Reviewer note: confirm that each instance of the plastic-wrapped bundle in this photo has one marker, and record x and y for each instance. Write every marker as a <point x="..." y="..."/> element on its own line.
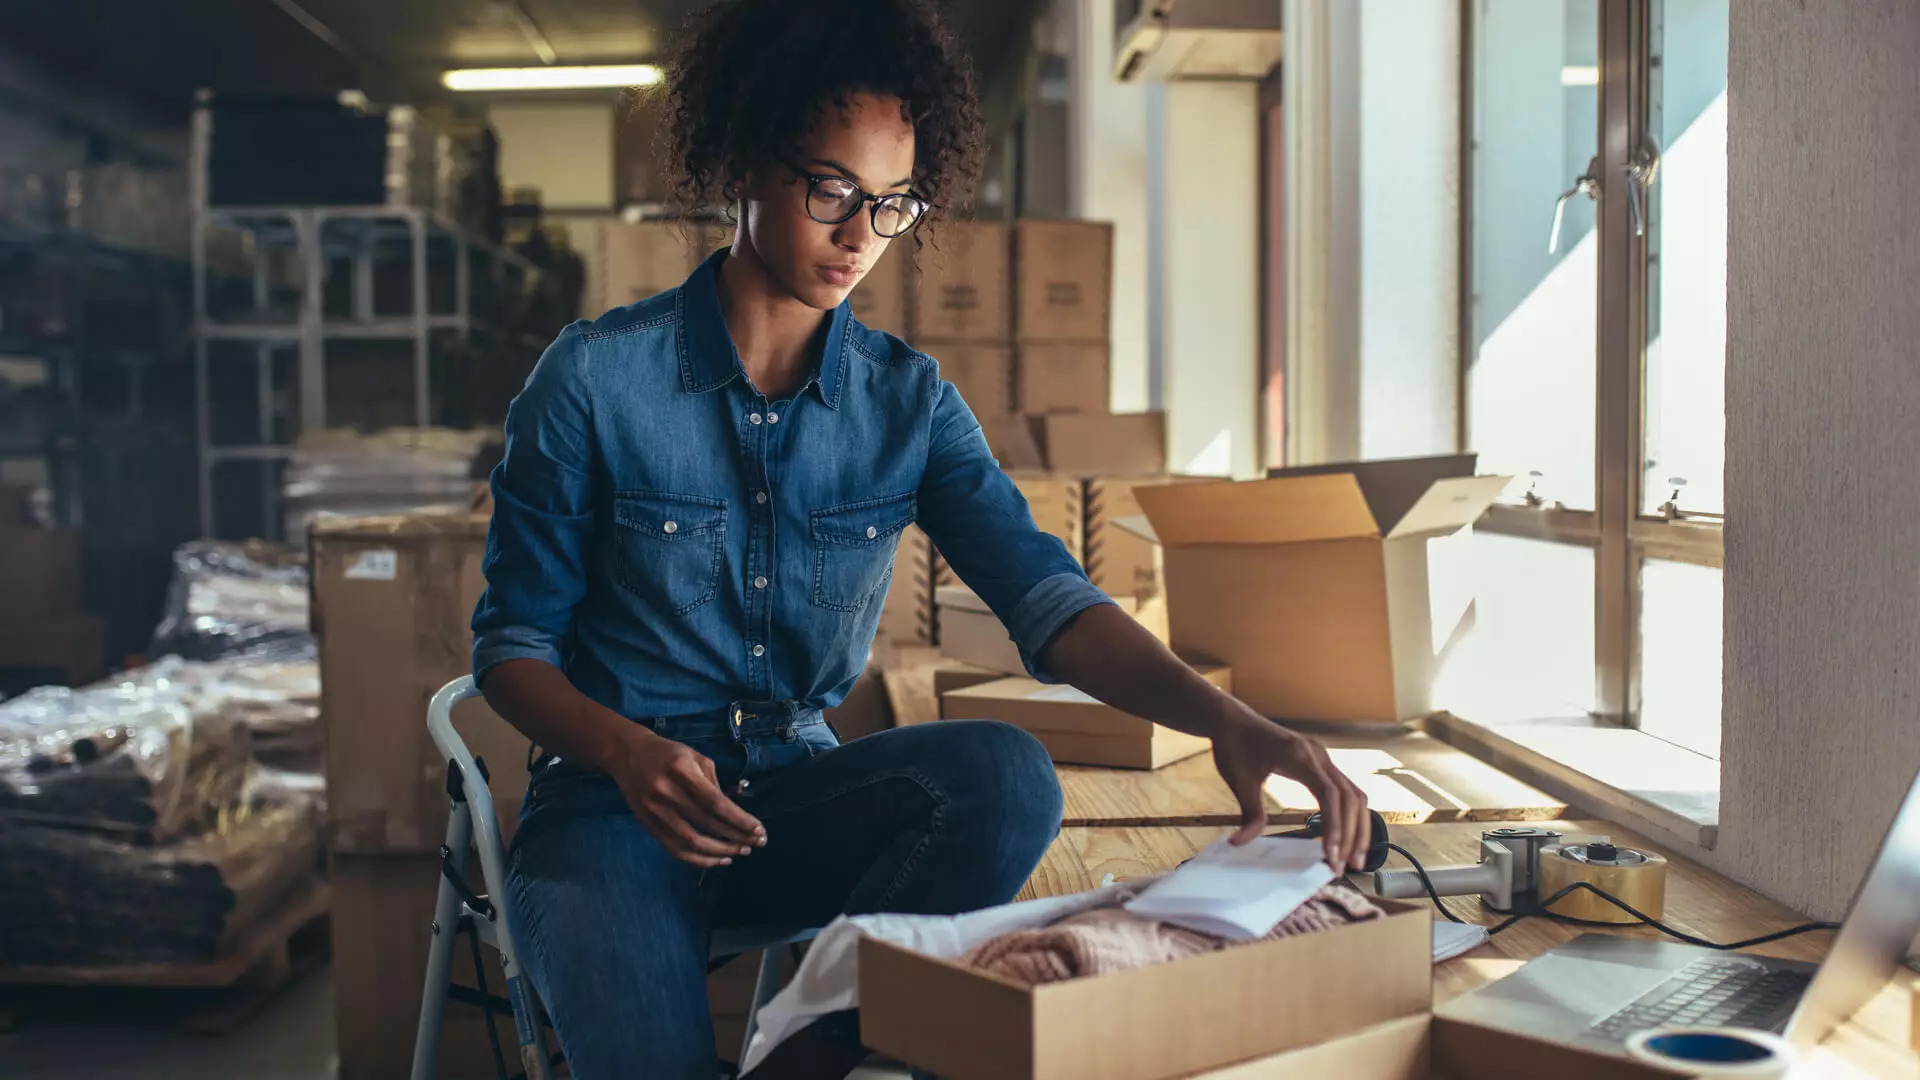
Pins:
<point x="134" y="759"/>
<point x="237" y="600"/>
<point x="84" y="899"/>
<point x="278" y="703"/>
<point x="338" y="472"/>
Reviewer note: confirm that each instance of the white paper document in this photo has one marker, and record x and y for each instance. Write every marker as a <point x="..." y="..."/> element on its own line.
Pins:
<point x="1238" y="893"/>
<point x="1450" y="939"/>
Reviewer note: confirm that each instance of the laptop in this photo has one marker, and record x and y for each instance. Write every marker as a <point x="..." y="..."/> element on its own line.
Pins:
<point x="1598" y="989"/>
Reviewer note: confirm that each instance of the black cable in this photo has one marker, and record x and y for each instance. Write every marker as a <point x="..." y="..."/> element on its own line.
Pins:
<point x="1427" y="881"/>
<point x="1642" y="917"/>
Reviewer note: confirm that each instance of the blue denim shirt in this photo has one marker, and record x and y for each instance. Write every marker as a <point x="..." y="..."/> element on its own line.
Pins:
<point x="676" y="543"/>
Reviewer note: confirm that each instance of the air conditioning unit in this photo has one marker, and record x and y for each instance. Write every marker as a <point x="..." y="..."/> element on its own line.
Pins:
<point x="1174" y="40"/>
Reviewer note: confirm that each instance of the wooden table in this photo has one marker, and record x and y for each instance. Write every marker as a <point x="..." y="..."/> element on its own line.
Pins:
<point x="1409" y="777"/>
<point x="1698" y="902"/>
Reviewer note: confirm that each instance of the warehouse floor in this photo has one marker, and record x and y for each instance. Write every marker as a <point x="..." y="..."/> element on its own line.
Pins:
<point x="292" y="1040"/>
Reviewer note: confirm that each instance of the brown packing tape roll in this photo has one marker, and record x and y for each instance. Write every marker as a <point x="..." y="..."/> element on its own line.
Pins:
<point x="1638" y="878"/>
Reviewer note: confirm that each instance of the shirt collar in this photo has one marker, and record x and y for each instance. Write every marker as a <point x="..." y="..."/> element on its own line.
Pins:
<point x="708" y="359"/>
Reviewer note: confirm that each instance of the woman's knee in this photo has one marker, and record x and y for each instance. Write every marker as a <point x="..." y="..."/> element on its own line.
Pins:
<point x="994" y="763"/>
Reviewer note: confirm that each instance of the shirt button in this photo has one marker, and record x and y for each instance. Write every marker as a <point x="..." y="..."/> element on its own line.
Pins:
<point x="760" y="497"/>
<point x="773" y="418"/>
<point x="753" y="418"/>
<point x="760" y="582"/>
<point x="671" y="527"/>
<point x="759" y="650"/>
<point x="871" y="532"/>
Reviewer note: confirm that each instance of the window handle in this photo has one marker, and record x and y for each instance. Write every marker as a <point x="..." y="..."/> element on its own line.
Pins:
<point x="1585" y="184"/>
<point x="1641" y="173"/>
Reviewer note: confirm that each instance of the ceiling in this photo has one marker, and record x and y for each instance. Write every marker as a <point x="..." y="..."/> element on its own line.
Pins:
<point x="161" y="52"/>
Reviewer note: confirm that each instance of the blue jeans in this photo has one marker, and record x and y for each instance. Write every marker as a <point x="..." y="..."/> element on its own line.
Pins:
<point x="937" y="818"/>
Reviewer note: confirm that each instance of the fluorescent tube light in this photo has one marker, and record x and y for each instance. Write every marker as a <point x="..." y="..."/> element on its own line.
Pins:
<point x="559" y="77"/>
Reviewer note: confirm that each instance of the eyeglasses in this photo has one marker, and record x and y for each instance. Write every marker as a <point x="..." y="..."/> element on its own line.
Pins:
<point x="832" y="200"/>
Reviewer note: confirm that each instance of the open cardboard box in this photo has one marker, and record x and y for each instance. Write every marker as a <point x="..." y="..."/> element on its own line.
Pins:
<point x="1148" y="1023"/>
<point x="1077" y="729"/>
<point x="1314" y="584"/>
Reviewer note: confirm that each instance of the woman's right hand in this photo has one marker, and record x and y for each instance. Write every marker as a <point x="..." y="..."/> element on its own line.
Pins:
<point x="673" y="790"/>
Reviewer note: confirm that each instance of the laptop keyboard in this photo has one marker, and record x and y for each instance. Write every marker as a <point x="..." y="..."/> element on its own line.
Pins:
<point x="1711" y="992"/>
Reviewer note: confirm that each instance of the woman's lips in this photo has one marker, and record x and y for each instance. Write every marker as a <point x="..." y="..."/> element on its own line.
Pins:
<point x="840" y="275"/>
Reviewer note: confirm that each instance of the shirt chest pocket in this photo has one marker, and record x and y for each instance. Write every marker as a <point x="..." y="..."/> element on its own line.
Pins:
<point x="669" y="548"/>
<point x="853" y="549"/>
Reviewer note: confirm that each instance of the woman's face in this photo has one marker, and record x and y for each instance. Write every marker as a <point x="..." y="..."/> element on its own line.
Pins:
<point x="866" y="143"/>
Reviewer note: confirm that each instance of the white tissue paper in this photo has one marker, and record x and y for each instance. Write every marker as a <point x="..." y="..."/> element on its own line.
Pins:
<point x="1450" y="939"/>
<point x="828" y="979"/>
<point x="1238" y="893"/>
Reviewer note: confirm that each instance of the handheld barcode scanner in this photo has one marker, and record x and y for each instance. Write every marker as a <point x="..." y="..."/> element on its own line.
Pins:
<point x="1376" y="843"/>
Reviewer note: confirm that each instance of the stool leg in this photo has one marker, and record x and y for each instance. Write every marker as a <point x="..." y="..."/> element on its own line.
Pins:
<point x="773" y="972"/>
<point x="446" y="917"/>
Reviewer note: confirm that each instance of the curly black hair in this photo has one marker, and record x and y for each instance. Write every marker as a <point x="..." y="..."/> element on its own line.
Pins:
<point x="751" y="77"/>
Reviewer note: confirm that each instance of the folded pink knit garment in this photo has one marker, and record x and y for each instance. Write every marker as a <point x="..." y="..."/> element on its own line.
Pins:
<point x="1112" y="939"/>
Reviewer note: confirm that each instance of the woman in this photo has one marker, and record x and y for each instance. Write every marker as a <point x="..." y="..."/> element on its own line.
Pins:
<point x="694" y="524"/>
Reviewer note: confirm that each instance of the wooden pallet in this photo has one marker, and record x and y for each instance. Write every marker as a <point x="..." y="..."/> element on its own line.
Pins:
<point x="211" y="998"/>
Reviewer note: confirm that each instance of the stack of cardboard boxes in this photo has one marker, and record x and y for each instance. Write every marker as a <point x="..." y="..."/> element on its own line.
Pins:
<point x="44" y="636"/>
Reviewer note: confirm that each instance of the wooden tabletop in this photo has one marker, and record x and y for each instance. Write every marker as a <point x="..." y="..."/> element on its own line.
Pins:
<point x="1698" y="902"/>
<point x="1409" y="777"/>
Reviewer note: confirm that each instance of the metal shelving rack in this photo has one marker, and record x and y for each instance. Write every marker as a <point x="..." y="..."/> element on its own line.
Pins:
<point x="317" y="237"/>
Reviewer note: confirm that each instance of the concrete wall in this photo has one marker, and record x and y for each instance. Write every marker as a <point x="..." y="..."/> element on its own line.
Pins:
<point x="1822" y="651"/>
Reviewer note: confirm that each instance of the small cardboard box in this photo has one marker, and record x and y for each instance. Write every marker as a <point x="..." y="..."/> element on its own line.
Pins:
<point x="39" y="573"/>
<point x="1063" y="277"/>
<point x="1011" y="440"/>
<point x="906" y="615"/>
<point x="880" y="300"/>
<point x="1063" y="378"/>
<point x="971" y="633"/>
<point x="1121" y="561"/>
<point x="647" y="258"/>
<point x="1314" y="585"/>
<point x="982" y="373"/>
<point x="964" y="291"/>
<point x="1153" y="1022"/>
<point x="392" y="600"/>
<point x="955" y="675"/>
<point x="1075" y="728"/>
<point x="1425" y="1047"/>
<point x="1092" y="444"/>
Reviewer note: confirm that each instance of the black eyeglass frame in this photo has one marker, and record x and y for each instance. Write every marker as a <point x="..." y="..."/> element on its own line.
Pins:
<point x="814" y="180"/>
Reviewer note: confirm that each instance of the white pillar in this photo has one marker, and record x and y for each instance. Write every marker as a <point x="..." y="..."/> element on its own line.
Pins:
<point x="1209" y="242"/>
<point x="1372" y="119"/>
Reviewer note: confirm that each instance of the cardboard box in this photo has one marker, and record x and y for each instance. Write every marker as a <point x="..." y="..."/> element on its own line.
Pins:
<point x="906" y="615"/>
<point x="880" y="300"/>
<point x="1058" y="504"/>
<point x="955" y="675"/>
<point x="1012" y="442"/>
<point x="1062" y="378"/>
<point x="1120" y="561"/>
<point x="865" y="709"/>
<point x="1063" y="274"/>
<point x="963" y="291"/>
<point x="982" y="373"/>
<point x="1314" y="586"/>
<point x="66" y="649"/>
<point x="1423" y="1047"/>
<point x="392" y="601"/>
<point x="647" y="258"/>
<point x="972" y="634"/>
<point x="1077" y="729"/>
<point x="1153" y="1022"/>
<point x="39" y="574"/>
<point x="1092" y="444"/>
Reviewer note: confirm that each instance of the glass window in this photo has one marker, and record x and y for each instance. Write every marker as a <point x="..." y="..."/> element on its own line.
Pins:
<point x="1680" y="654"/>
<point x="1530" y="382"/>
<point x="1686" y="420"/>
<point x="1529" y="652"/>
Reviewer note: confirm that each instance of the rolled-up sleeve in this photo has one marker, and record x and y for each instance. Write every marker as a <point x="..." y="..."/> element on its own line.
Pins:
<point x="982" y="525"/>
<point x="542" y="515"/>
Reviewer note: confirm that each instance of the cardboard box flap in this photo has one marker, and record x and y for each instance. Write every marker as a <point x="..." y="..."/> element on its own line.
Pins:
<point x="1450" y="505"/>
<point x="959" y="596"/>
<point x="446" y="522"/>
<point x="1138" y="525"/>
<point x="1392" y="486"/>
<point x="1282" y="511"/>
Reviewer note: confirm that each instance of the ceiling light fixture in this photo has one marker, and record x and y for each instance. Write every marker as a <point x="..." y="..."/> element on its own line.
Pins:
<point x="558" y="77"/>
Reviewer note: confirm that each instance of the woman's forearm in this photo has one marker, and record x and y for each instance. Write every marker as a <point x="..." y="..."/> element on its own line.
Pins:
<point x="1104" y="652"/>
<point x="539" y="700"/>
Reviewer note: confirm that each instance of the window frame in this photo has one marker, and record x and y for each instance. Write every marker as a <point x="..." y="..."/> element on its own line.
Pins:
<point x="1621" y="535"/>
